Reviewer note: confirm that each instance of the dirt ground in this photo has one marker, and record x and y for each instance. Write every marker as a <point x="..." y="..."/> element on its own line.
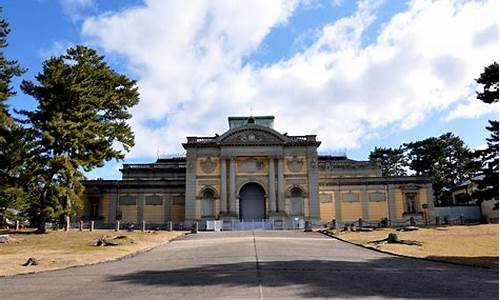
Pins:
<point x="476" y="245"/>
<point x="59" y="249"/>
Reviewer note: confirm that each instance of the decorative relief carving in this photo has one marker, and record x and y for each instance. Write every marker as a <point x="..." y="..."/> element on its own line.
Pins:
<point x="295" y="164"/>
<point x="208" y="165"/>
<point x="251" y="165"/>
<point x="314" y="164"/>
<point x="250" y="137"/>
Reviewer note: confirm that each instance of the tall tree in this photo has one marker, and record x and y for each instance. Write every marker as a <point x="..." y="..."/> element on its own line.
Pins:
<point x="487" y="183"/>
<point x="392" y="161"/>
<point x="11" y="135"/>
<point x="445" y="159"/>
<point x="82" y="114"/>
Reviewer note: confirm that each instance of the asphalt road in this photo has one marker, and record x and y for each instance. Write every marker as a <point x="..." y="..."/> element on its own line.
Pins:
<point x="257" y="265"/>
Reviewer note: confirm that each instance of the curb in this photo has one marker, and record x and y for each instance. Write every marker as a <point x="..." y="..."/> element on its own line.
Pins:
<point x="404" y="256"/>
<point x="119" y="258"/>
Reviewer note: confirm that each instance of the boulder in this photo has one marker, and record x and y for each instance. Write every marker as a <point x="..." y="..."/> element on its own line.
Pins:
<point x="4" y="238"/>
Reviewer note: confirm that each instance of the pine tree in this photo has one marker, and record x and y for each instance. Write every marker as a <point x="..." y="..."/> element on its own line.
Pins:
<point x="82" y="113"/>
<point x="11" y="135"/>
<point x="445" y="159"/>
<point x="487" y="184"/>
<point x="392" y="161"/>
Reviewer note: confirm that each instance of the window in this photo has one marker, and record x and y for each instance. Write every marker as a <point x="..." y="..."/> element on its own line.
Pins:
<point x="154" y="200"/>
<point x="411" y="203"/>
<point x="376" y="197"/>
<point x="128" y="200"/>
<point x="93" y="207"/>
<point x="350" y="197"/>
<point x="325" y="198"/>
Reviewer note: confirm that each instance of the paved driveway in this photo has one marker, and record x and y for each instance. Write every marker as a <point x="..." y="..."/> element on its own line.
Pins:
<point x="257" y="265"/>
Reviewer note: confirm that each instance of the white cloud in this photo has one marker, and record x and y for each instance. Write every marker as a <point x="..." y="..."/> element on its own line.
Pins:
<point x="58" y="48"/>
<point x="75" y="9"/>
<point x="188" y="58"/>
<point x="470" y="108"/>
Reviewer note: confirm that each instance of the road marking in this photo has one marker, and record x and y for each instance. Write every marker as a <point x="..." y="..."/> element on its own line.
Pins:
<point x="257" y="267"/>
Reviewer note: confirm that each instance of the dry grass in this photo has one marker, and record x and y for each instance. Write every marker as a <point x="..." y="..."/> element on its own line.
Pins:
<point x="59" y="249"/>
<point x="476" y="245"/>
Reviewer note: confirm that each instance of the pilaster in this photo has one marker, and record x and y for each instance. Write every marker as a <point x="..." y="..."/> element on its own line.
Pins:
<point x="391" y="202"/>
<point x="223" y="185"/>
<point x="364" y="204"/>
<point x="232" y="186"/>
<point x="281" y="186"/>
<point x="190" y="200"/>
<point x="313" y="176"/>
<point x="140" y="208"/>
<point x="113" y="203"/>
<point x="167" y="208"/>
<point x="272" y="183"/>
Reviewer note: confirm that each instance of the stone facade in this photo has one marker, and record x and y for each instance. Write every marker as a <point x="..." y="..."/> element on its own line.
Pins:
<point x="254" y="172"/>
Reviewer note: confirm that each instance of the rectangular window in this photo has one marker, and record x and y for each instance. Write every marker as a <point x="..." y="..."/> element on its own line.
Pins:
<point x="128" y="200"/>
<point x="154" y="200"/>
<point x="350" y="197"/>
<point x="376" y="197"/>
<point x="411" y="203"/>
<point x="325" y="198"/>
<point x="93" y="207"/>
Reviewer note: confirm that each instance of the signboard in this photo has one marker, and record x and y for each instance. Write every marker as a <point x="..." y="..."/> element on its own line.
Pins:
<point x="218" y="225"/>
<point x="214" y="225"/>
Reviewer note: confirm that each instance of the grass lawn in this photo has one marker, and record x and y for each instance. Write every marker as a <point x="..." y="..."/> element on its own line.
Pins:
<point x="476" y="245"/>
<point x="59" y="249"/>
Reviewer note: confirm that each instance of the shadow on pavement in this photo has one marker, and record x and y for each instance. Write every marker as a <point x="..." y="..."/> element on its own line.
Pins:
<point x="389" y="277"/>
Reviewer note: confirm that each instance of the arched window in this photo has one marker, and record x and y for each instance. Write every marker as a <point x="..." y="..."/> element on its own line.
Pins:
<point x="296" y="202"/>
<point x="207" y="204"/>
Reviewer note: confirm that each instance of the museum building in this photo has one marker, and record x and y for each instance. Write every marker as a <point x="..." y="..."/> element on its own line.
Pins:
<point x="252" y="172"/>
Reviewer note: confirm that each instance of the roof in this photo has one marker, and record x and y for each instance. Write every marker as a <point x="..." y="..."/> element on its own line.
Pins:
<point x="266" y="121"/>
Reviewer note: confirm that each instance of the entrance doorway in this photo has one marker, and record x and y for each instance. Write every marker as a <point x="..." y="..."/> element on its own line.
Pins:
<point x="252" y="202"/>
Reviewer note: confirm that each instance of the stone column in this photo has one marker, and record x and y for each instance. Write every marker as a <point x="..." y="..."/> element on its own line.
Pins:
<point x="232" y="186"/>
<point x="140" y="208"/>
<point x="223" y="186"/>
<point x="272" y="192"/>
<point x="281" y="186"/>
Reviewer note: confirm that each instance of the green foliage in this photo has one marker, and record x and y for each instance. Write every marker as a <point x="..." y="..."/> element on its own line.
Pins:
<point x="489" y="80"/>
<point x="391" y="160"/>
<point x="445" y="159"/>
<point x="487" y="184"/>
<point x="11" y="135"/>
<point x="82" y="112"/>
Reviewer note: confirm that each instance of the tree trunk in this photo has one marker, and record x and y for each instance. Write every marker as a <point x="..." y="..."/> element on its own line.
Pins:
<point x="42" y="219"/>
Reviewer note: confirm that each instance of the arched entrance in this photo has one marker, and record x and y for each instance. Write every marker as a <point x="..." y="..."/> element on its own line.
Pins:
<point x="252" y="202"/>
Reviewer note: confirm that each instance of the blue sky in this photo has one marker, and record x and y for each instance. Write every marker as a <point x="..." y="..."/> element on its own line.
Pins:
<point x="357" y="74"/>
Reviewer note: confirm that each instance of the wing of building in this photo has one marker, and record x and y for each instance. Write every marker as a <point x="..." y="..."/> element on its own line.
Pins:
<point x="253" y="172"/>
